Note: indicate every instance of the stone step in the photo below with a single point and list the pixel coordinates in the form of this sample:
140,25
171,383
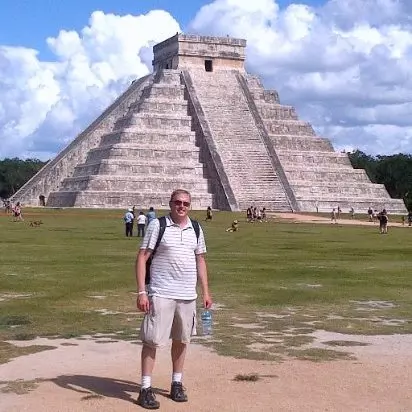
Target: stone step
123,200
253,81
295,157
294,127
310,177
139,136
276,112
155,105
267,96
133,183
349,189
301,143
131,167
158,120
184,155
168,76
165,91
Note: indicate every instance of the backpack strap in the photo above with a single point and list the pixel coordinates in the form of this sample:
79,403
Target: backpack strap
162,221
196,228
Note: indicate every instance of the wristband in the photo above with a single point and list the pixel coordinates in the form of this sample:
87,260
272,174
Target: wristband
143,292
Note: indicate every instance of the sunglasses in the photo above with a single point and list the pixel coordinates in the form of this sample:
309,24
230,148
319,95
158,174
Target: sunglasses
181,203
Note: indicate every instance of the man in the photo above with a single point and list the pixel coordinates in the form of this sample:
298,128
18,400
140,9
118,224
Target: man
128,221
169,302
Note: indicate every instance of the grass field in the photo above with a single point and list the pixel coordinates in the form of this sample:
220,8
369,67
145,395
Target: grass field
273,284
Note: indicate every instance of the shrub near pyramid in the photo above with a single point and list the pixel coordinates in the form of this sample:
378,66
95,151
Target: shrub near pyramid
201,123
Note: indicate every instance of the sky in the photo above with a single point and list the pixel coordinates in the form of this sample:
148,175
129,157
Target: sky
344,64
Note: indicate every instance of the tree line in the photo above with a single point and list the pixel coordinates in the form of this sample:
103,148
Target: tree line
394,171
14,173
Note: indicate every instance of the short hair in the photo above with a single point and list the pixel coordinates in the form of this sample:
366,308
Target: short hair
180,191
151,209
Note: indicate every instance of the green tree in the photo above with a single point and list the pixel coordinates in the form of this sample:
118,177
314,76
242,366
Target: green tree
14,173
394,171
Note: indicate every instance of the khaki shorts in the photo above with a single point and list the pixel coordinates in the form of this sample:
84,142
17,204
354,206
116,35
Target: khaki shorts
168,318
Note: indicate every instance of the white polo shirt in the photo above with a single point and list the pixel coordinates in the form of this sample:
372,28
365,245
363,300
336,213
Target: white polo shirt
173,273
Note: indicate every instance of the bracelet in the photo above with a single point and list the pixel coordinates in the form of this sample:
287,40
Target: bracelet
143,292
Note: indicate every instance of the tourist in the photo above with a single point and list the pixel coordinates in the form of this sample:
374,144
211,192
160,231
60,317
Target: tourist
264,217
151,215
370,214
209,213
333,216
254,214
7,206
249,214
169,302
352,212
383,221
17,213
234,227
141,224
128,220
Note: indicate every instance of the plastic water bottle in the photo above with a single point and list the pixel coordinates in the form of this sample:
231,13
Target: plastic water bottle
206,322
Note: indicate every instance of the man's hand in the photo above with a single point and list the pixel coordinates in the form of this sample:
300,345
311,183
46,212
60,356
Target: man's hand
207,301
143,303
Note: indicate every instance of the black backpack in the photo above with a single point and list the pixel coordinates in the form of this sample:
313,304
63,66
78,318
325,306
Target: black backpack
162,221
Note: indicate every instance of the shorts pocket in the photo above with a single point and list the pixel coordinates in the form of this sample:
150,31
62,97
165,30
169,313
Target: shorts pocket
194,324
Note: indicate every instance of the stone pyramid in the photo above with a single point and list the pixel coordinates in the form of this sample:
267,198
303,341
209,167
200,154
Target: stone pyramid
200,122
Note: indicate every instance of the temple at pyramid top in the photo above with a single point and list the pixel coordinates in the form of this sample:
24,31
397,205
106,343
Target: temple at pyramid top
202,123
191,51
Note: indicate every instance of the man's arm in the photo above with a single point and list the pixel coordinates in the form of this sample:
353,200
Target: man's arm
140,271
202,276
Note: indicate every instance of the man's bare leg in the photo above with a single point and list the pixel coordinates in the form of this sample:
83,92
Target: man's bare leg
148,360
178,352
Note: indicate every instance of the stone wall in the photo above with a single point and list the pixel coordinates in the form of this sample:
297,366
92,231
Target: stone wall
184,51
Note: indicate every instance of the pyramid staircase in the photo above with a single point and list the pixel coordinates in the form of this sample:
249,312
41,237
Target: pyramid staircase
150,152
320,178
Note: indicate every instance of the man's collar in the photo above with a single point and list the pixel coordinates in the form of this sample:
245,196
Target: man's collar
170,222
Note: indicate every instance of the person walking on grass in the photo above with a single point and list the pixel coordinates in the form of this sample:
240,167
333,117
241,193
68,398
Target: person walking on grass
169,300
333,216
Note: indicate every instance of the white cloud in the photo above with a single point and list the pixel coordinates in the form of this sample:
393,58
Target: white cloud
344,65
44,104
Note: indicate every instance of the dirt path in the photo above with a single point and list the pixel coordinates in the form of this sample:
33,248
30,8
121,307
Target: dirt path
321,219
102,377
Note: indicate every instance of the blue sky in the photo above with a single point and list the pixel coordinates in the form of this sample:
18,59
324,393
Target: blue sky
344,64
30,22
